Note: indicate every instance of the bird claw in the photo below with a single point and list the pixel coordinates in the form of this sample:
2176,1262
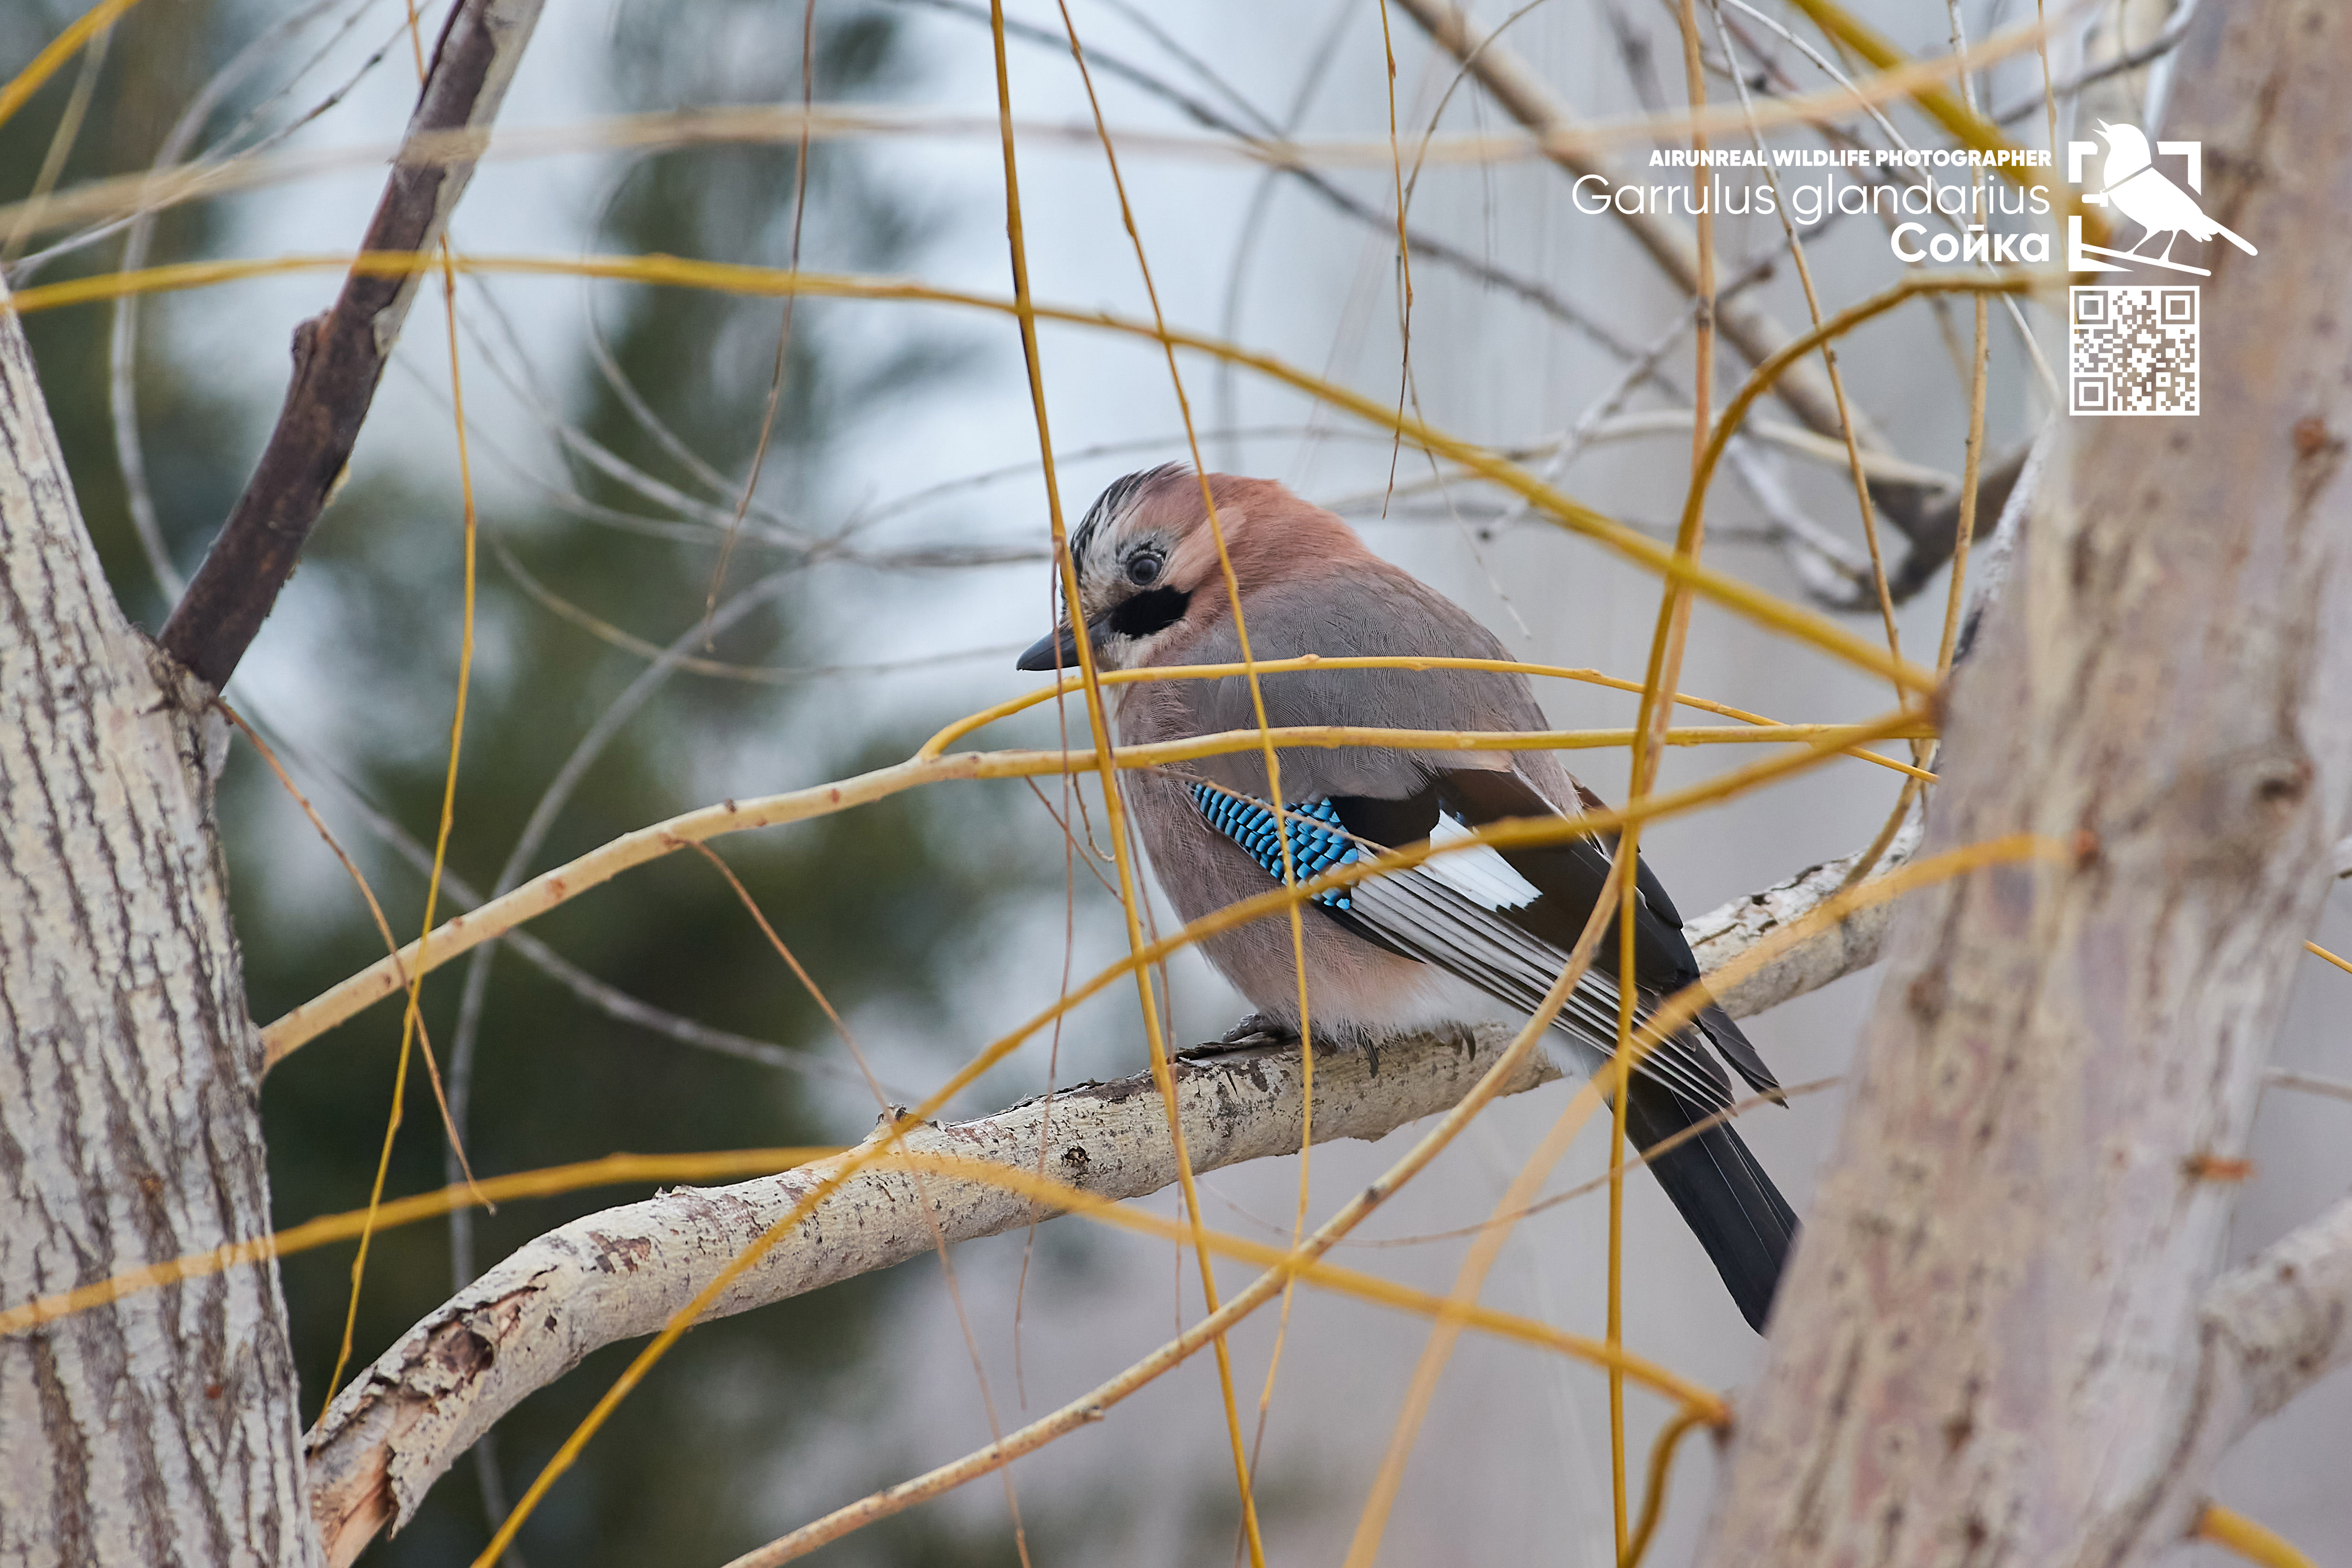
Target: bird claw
1258,1029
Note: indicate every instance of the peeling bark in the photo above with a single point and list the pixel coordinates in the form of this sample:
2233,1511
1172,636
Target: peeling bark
159,1429
1991,1345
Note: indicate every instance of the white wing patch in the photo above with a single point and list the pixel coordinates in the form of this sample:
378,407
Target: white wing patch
1479,873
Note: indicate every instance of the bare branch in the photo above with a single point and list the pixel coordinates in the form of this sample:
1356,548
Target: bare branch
339,357
620,1274
1723,933
2281,1324
2267,1331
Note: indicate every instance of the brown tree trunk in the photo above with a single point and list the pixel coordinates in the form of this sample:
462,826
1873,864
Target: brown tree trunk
160,1428
1988,1349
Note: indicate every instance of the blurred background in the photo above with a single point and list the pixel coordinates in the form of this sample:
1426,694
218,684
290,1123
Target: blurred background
890,562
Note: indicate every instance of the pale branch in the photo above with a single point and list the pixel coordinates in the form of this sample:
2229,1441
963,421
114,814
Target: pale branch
2309,1084
1997,1341
1725,933
2266,1332
619,1274
2279,1325
339,356
1927,518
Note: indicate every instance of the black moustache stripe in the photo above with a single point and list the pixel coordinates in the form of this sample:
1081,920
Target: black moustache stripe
1153,610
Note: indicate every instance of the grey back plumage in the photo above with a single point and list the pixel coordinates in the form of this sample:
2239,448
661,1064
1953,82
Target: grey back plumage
1378,611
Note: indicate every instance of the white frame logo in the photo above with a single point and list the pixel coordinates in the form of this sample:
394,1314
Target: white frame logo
2133,187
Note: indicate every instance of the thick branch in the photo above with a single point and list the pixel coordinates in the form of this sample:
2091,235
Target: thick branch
2268,1331
340,356
1724,934
620,1274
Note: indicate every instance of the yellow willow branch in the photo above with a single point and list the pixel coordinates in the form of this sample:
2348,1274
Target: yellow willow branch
1653,1496
1069,686
1765,608
2317,951
463,932
59,50
1666,1382
2241,1537
1967,126
1844,321
613,1170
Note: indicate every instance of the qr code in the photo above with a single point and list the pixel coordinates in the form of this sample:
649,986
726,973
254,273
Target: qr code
2132,349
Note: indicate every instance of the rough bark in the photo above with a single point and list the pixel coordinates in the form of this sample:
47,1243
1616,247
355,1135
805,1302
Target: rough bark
160,1428
1987,1349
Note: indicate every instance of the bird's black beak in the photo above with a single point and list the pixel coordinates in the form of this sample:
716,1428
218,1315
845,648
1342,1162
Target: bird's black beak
1057,650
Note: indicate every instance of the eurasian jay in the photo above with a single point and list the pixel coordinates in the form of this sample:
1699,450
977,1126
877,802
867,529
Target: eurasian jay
1467,937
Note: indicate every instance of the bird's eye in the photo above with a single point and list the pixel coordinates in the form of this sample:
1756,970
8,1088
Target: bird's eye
1144,568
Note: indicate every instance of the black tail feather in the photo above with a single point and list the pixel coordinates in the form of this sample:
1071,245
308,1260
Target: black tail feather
1738,1216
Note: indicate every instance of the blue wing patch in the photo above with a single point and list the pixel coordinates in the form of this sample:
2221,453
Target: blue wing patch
1317,840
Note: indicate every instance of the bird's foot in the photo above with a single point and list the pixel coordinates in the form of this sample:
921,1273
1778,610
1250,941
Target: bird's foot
1252,1033
1258,1029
